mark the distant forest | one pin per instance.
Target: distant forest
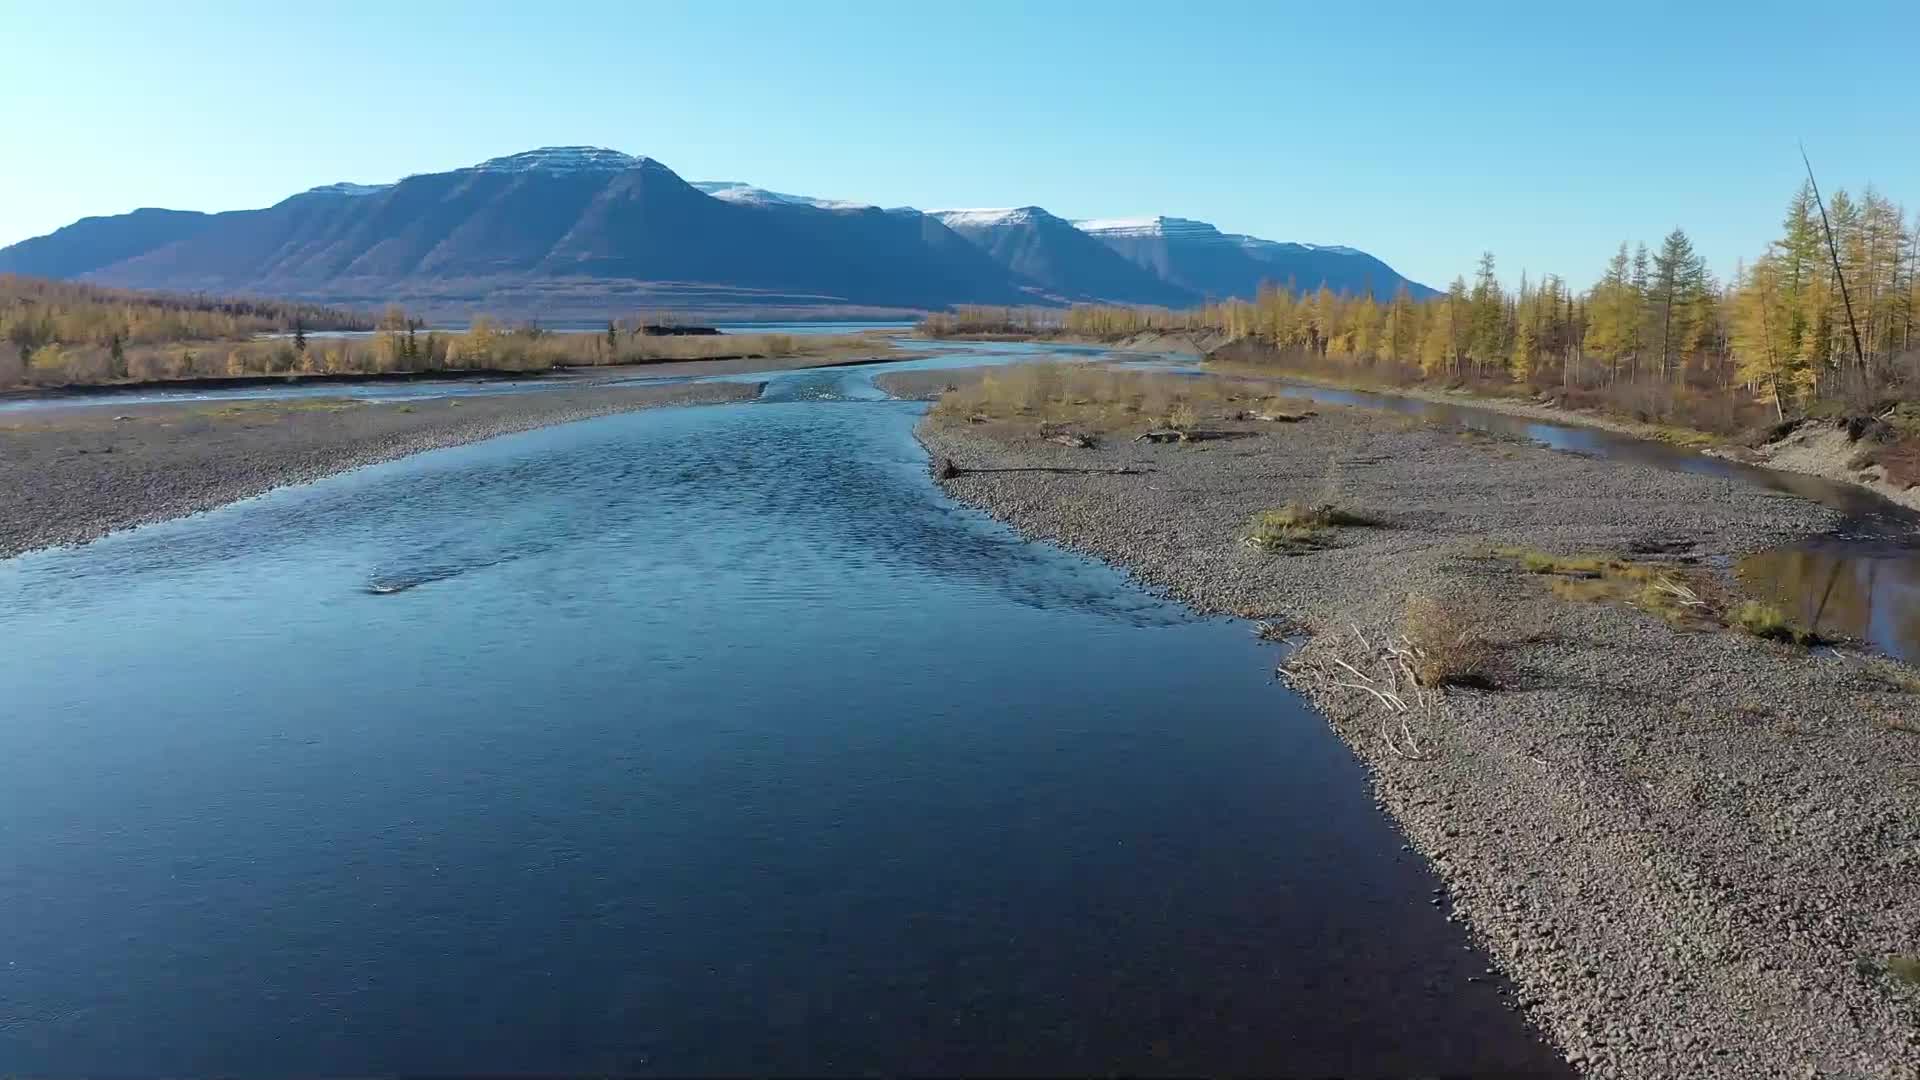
(66, 334)
(1657, 334)
(36, 312)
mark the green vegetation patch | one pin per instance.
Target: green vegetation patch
(1764, 620)
(1674, 593)
(1299, 527)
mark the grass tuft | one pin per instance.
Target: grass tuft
(1592, 566)
(1300, 526)
(1764, 620)
(1655, 588)
(1659, 589)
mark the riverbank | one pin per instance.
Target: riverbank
(76, 473)
(1693, 850)
(1826, 448)
(1822, 448)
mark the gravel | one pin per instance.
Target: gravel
(74, 473)
(1693, 852)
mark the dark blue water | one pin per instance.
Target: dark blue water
(701, 740)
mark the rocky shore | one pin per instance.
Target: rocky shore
(1695, 852)
(70, 474)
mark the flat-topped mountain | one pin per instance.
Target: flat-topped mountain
(1198, 257)
(1040, 247)
(581, 231)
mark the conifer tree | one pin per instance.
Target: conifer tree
(1679, 281)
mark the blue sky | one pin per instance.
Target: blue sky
(1423, 133)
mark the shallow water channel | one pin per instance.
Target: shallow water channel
(693, 740)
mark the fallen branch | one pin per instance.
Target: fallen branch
(1184, 435)
(945, 469)
(1392, 686)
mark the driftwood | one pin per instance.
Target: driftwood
(1282, 417)
(945, 469)
(1068, 438)
(1184, 435)
(1395, 686)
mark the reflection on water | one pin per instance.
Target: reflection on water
(1860, 591)
(689, 741)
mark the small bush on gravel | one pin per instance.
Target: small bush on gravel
(1764, 620)
(1300, 526)
(1448, 645)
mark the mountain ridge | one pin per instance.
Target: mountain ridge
(580, 230)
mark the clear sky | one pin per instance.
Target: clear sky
(1423, 133)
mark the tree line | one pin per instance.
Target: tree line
(392, 342)
(38, 311)
(1826, 312)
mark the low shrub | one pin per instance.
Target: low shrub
(1300, 526)
(1449, 646)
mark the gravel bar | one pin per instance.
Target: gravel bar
(72, 474)
(1695, 853)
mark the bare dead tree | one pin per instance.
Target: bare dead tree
(1833, 249)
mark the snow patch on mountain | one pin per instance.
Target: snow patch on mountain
(1174, 228)
(734, 191)
(1256, 244)
(982, 219)
(347, 188)
(1157, 226)
(564, 159)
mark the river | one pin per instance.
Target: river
(686, 741)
